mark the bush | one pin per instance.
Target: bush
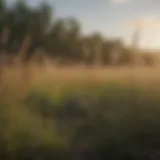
(95, 122)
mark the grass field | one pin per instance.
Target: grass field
(78, 112)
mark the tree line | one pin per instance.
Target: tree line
(26, 30)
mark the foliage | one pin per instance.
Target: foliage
(104, 121)
(26, 30)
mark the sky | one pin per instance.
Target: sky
(113, 18)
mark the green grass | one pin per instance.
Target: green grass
(53, 115)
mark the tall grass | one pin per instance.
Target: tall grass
(86, 113)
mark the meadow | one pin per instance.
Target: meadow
(79, 113)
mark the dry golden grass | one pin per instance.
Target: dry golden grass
(49, 75)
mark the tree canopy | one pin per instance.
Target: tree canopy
(25, 29)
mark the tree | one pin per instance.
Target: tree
(25, 30)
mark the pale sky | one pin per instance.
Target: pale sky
(110, 16)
